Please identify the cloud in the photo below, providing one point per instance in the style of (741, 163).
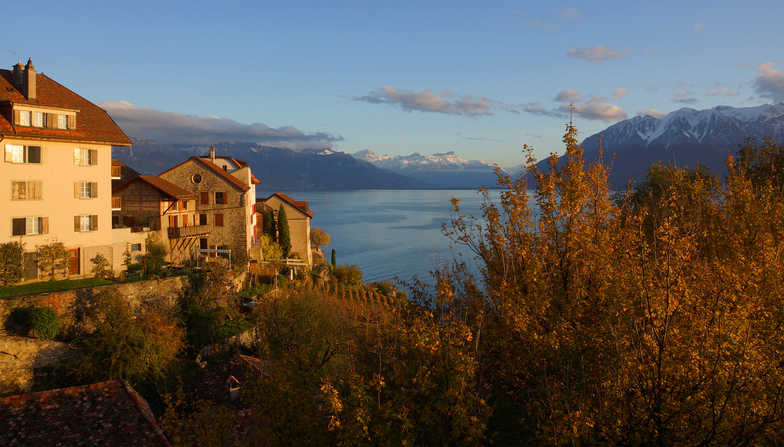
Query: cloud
(770, 82)
(698, 27)
(722, 92)
(683, 97)
(598, 53)
(619, 93)
(652, 112)
(569, 96)
(596, 109)
(169, 127)
(539, 24)
(569, 14)
(428, 101)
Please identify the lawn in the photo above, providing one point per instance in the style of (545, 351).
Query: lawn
(52, 286)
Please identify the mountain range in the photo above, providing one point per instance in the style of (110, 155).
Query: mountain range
(684, 137)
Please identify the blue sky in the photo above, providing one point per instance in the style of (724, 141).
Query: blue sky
(479, 78)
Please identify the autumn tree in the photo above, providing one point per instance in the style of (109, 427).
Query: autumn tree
(646, 322)
(319, 237)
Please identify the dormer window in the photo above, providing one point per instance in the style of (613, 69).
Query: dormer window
(39, 119)
(24, 117)
(62, 121)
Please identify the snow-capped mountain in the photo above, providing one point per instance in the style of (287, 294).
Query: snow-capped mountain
(684, 137)
(444, 170)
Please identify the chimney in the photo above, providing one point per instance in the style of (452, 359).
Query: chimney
(29, 81)
(212, 153)
(18, 74)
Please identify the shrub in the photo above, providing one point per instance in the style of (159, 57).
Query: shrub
(44, 322)
(155, 258)
(319, 237)
(53, 259)
(101, 266)
(11, 263)
(350, 275)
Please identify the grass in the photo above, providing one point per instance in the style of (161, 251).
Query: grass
(52, 286)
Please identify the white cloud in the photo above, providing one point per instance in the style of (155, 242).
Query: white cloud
(596, 109)
(698, 27)
(684, 97)
(569, 96)
(619, 93)
(598, 53)
(652, 112)
(170, 127)
(770, 82)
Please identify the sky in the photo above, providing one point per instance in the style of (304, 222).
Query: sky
(480, 78)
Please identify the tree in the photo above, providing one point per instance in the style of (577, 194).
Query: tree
(12, 266)
(284, 233)
(127, 346)
(268, 226)
(155, 258)
(648, 322)
(101, 266)
(319, 237)
(270, 249)
(53, 259)
(333, 262)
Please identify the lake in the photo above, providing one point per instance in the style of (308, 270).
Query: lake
(389, 233)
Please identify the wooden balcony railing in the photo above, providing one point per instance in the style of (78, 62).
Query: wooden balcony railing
(117, 171)
(116, 203)
(196, 230)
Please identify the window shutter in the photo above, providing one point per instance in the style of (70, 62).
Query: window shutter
(44, 225)
(94, 222)
(33, 154)
(77, 228)
(19, 227)
(76, 156)
(205, 196)
(94, 190)
(72, 121)
(34, 190)
(51, 120)
(77, 190)
(15, 189)
(9, 153)
(93, 157)
(16, 117)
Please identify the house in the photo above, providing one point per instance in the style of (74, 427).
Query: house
(223, 384)
(152, 204)
(106, 413)
(298, 216)
(225, 200)
(57, 170)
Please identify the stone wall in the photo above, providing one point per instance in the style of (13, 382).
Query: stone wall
(20, 357)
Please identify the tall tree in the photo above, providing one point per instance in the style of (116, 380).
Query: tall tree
(284, 233)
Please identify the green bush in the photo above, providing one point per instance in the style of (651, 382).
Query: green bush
(44, 322)
(155, 258)
(350, 275)
(11, 263)
(101, 267)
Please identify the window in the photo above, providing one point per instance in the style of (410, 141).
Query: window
(85, 190)
(85, 157)
(85, 222)
(24, 117)
(219, 220)
(196, 178)
(205, 198)
(39, 119)
(22, 154)
(202, 219)
(22, 226)
(183, 205)
(62, 121)
(136, 247)
(25, 190)
(220, 198)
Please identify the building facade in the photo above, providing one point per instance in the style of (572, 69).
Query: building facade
(56, 176)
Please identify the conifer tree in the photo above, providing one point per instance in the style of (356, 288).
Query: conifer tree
(284, 233)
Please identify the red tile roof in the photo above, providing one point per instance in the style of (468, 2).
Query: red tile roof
(215, 168)
(301, 205)
(106, 413)
(214, 384)
(166, 187)
(93, 124)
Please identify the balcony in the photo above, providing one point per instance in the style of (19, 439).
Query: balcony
(196, 230)
(116, 203)
(116, 172)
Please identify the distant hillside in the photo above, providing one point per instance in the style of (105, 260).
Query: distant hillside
(276, 168)
(684, 137)
(443, 170)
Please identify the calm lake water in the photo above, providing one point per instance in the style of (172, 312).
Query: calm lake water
(389, 233)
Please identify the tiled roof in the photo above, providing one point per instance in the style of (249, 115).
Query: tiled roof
(215, 168)
(106, 413)
(214, 384)
(93, 124)
(166, 187)
(301, 205)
